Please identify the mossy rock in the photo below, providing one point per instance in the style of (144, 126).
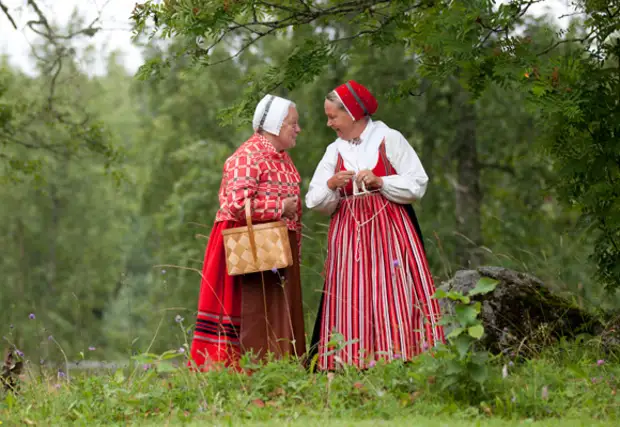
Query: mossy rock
(521, 316)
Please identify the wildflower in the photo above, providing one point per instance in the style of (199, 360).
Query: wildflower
(146, 367)
(594, 380)
(397, 356)
(424, 346)
(163, 272)
(511, 363)
(178, 318)
(505, 372)
(19, 352)
(41, 361)
(11, 326)
(50, 338)
(91, 348)
(395, 263)
(544, 394)
(600, 362)
(181, 350)
(31, 316)
(372, 364)
(57, 386)
(61, 374)
(514, 399)
(274, 270)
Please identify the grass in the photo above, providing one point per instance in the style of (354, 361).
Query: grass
(568, 385)
(418, 421)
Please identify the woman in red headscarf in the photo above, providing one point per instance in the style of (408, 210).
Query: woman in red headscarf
(377, 301)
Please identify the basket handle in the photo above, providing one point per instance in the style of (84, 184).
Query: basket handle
(248, 220)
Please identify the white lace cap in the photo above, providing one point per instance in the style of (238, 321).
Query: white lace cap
(270, 113)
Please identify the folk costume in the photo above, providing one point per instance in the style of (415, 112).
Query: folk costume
(378, 287)
(261, 312)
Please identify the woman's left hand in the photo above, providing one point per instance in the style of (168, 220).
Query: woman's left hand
(369, 179)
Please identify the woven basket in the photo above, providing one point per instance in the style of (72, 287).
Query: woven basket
(254, 248)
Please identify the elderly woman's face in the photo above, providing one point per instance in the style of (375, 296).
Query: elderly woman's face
(289, 130)
(339, 120)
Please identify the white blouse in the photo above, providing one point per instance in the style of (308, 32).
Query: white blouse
(407, 186)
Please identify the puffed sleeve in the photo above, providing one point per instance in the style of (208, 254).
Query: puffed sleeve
(241, 183)
(409, 184)
(319, 196)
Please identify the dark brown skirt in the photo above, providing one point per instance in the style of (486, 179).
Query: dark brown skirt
(272, 318)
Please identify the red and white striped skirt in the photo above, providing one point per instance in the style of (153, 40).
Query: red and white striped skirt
(377, 299)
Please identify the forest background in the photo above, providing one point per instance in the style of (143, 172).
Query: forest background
(109, 182)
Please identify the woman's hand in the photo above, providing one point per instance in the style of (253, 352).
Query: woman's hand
(340, 179)
(369, 179)
(290, 207)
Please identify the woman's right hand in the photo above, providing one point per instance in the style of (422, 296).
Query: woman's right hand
(340, 179)
(290, 207)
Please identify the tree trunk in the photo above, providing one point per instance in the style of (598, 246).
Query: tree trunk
(467, 186)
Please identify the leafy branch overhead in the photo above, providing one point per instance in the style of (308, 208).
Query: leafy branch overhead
(444, 36)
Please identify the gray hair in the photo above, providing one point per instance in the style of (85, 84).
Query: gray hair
(333, 97)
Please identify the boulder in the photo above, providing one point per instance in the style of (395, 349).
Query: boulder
(521, 316)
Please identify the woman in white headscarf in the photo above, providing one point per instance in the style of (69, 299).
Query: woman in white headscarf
(237, 314)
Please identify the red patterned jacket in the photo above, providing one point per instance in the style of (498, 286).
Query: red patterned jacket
(256, 170)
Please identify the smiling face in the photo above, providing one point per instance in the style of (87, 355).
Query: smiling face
(339, 120)
(289, 131)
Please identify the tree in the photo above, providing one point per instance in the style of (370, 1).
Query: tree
(65, 237)
(24, 124)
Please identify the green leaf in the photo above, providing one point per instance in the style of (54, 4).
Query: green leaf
(455, 296)
(480, 357)
(478, 373)
(539, 90)
(440, 293)
(476, 331)
(165, 367)
(449, 381)
(578, 371)
(453, 367)
(484, 286)
(462, 344)
(466, 314)
(455, 333)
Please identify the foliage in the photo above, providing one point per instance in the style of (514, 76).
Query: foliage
(66, 227)
(460, 367)
(574, 92)
(40, 118)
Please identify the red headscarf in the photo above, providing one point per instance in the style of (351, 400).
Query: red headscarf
(358, 100)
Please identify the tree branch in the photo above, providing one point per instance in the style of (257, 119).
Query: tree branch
(519, 14)
(8, 15)
(300, 17)
(560, 42)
